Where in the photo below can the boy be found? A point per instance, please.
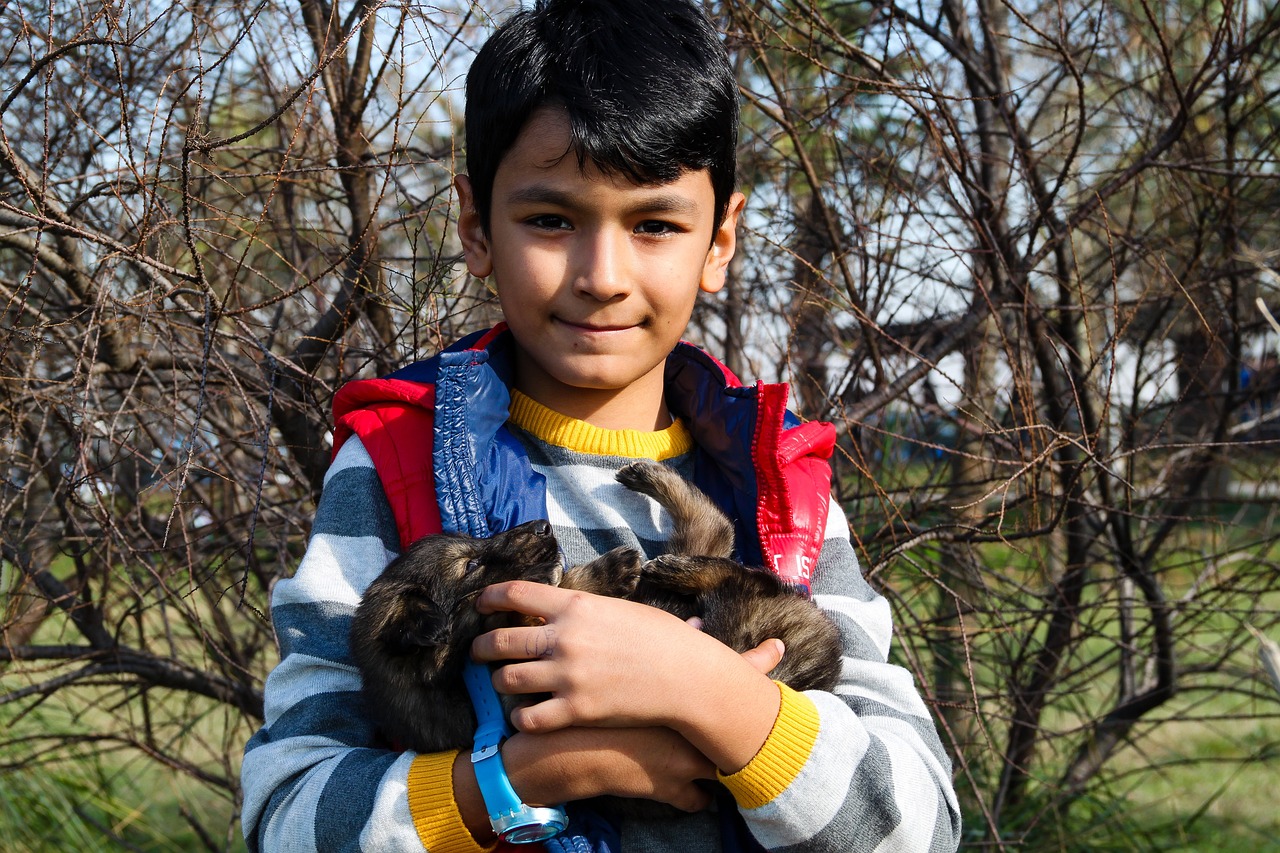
(600, 198)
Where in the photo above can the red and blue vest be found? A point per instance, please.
(436, 431)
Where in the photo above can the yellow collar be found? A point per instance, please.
(562, 431)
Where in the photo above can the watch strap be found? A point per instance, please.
(512, 820)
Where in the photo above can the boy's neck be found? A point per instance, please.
(640, 406)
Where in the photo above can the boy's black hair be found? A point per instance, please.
(646, 86)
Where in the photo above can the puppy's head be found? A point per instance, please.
(421, 609)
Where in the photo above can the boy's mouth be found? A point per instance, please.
(598, 327)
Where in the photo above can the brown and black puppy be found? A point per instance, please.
(413, 630)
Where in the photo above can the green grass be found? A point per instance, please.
(62, 796)
(1202, 772)
(108, 804)
(1214, 784)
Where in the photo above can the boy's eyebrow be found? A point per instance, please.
(659, 202)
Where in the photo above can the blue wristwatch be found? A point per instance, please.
(512, 820)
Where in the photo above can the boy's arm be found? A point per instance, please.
(862, 767)
(849, 770)
(314, 778)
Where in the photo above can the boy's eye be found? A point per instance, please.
(655, 226)
(548, 222)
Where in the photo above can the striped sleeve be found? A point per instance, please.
(312, 776)
(867, 771)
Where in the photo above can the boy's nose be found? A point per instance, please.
(601, 271)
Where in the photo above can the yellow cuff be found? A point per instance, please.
(782, 756)
(434, 807)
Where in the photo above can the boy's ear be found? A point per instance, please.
(723, 245)
(475, 243)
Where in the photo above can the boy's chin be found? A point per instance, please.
(595, 376)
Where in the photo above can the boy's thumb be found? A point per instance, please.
(765, 656)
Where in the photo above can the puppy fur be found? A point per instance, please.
(741, 607)
(414, 627)
(412, 632)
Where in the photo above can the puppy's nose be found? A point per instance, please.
(541, 528)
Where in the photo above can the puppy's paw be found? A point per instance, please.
(699, 525)
(643, 477)
(614, 574)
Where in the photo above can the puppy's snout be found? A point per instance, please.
(525, 544)
(540, 528)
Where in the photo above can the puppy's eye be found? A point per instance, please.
(472, 565)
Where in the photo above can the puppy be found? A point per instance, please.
(413, 630)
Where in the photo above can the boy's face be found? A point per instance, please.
(597, 276)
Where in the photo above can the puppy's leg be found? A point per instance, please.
(614, 574)
(689, 575)
(700, 527)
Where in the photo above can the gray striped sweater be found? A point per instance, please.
(874, 778)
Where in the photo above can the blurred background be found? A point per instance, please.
(1022, 254)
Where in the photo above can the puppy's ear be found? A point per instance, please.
(418, 625)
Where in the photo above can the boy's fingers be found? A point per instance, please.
(538, 643)
(690, 798)
(525, 678)
(532, 599)
(546, 716)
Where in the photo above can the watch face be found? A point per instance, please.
(531, 825)
(531, 834)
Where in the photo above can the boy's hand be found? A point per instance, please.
(579, 763)
(576, 763)
(615, 663)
